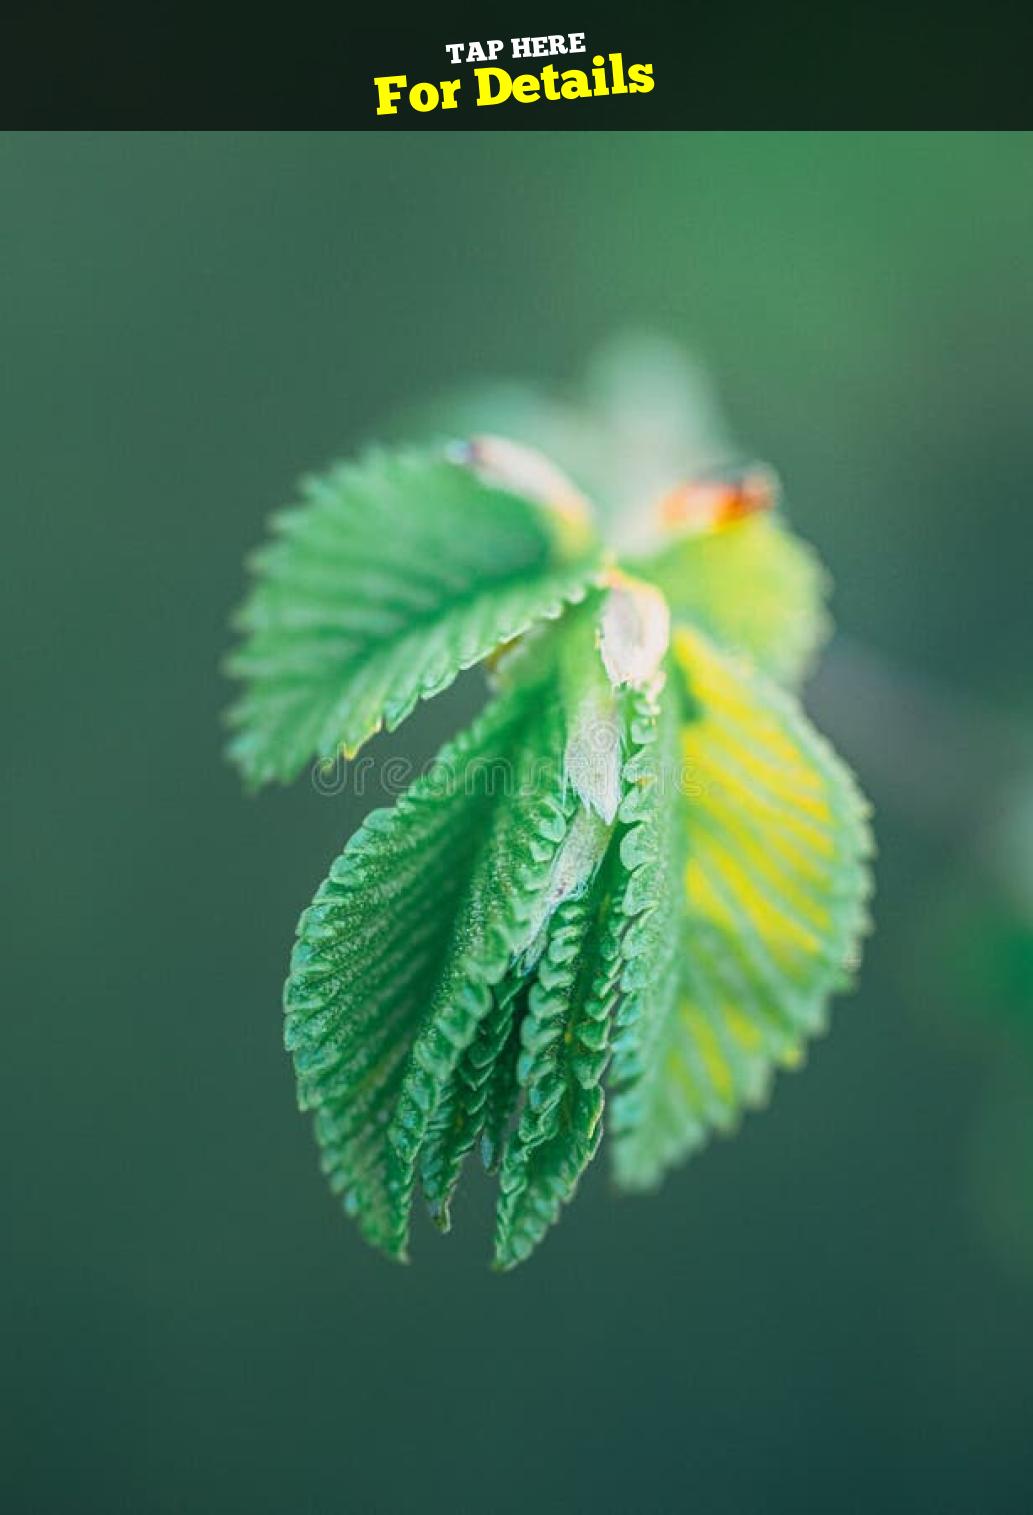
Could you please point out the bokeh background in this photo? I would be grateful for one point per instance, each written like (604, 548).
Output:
(834, 1311)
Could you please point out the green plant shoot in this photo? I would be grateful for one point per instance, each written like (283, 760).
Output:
(621, 898)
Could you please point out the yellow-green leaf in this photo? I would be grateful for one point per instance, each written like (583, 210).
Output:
(775, 882)
(752, 586)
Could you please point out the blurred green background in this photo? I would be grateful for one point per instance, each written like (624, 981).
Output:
(832, 1312)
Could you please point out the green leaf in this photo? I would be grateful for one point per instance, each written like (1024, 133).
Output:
(775, 881)
(392, 576)
(587, 966)
(416, 954)
(371, 947)
(753, 587)
(482, 1094)
(508, 897)
(564, 1052)
(653, 851)
(502, 1090)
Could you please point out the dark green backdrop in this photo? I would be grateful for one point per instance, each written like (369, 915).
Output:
(831, 1313)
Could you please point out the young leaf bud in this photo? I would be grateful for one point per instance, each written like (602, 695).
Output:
(636, 629)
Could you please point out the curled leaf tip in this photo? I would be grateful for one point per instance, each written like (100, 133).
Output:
(635, 630)
(712, 501)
